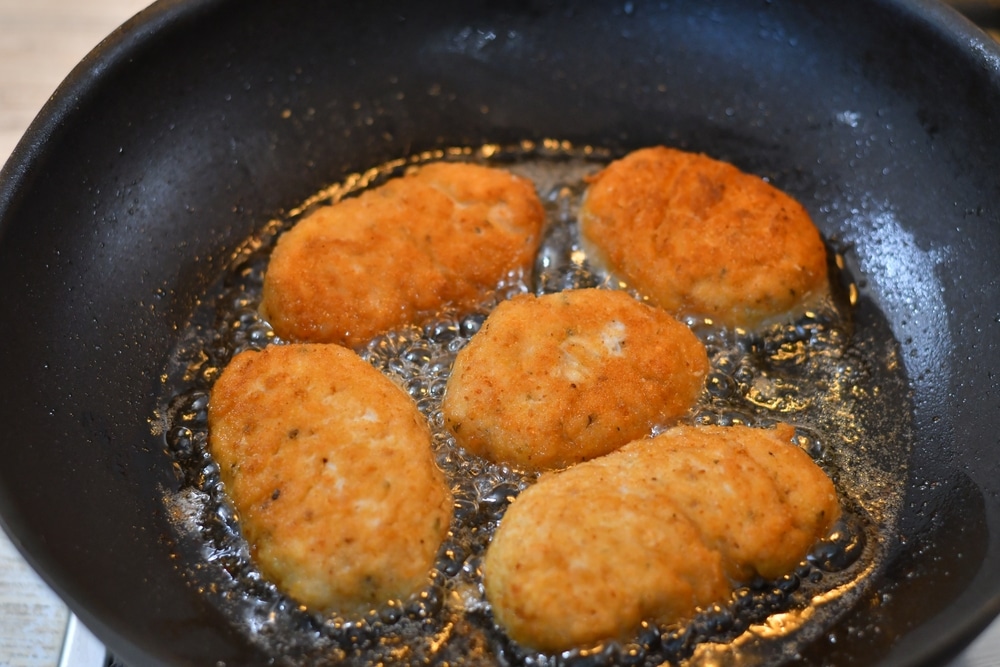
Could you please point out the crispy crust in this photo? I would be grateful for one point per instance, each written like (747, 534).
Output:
(445, 235)
(330, 468)
(653, 531)
(699, 237)
(562, 378)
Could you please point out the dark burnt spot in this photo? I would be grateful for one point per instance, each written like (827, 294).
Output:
(929, 122)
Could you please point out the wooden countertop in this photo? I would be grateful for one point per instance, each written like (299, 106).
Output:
(40, 42)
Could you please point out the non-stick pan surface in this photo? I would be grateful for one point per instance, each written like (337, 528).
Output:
(196, 123)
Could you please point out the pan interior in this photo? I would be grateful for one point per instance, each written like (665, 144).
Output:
(836, 375)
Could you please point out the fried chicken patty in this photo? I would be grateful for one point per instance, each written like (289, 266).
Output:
(329, 466)
(653, 531)
(554, 380)
(700, 237)
(443, 236)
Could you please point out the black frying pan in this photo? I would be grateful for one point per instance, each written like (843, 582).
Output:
(168, 147)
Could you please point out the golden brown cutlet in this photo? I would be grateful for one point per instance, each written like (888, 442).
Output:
(699, 237)
(443, 236)
(653, 531)
(554, 380)
(329, 466)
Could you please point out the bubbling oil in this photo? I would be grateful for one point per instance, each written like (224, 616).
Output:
(818, 373)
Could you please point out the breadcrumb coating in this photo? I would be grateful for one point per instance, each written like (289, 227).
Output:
(654, 531)
(699, 237)
(441, 237)
(329, 466)
(554, 380)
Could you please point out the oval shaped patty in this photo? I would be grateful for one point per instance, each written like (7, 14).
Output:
(554, 380)
(330, 467)
(443, 236)
(653, 531)
(700, 237)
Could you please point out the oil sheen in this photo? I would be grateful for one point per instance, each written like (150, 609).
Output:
(834, 375)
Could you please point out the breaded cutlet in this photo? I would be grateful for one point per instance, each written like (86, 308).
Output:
(653, 531)
(698, 237)
(330, 468)
(554, 380)
(443, 236)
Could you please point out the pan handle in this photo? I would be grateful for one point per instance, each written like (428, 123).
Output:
(80, 647)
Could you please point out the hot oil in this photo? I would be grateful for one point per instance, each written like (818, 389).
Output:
(838, 381)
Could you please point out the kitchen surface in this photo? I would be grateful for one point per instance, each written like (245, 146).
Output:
(40, 42)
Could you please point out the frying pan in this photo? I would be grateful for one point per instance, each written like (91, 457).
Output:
(199, 121)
